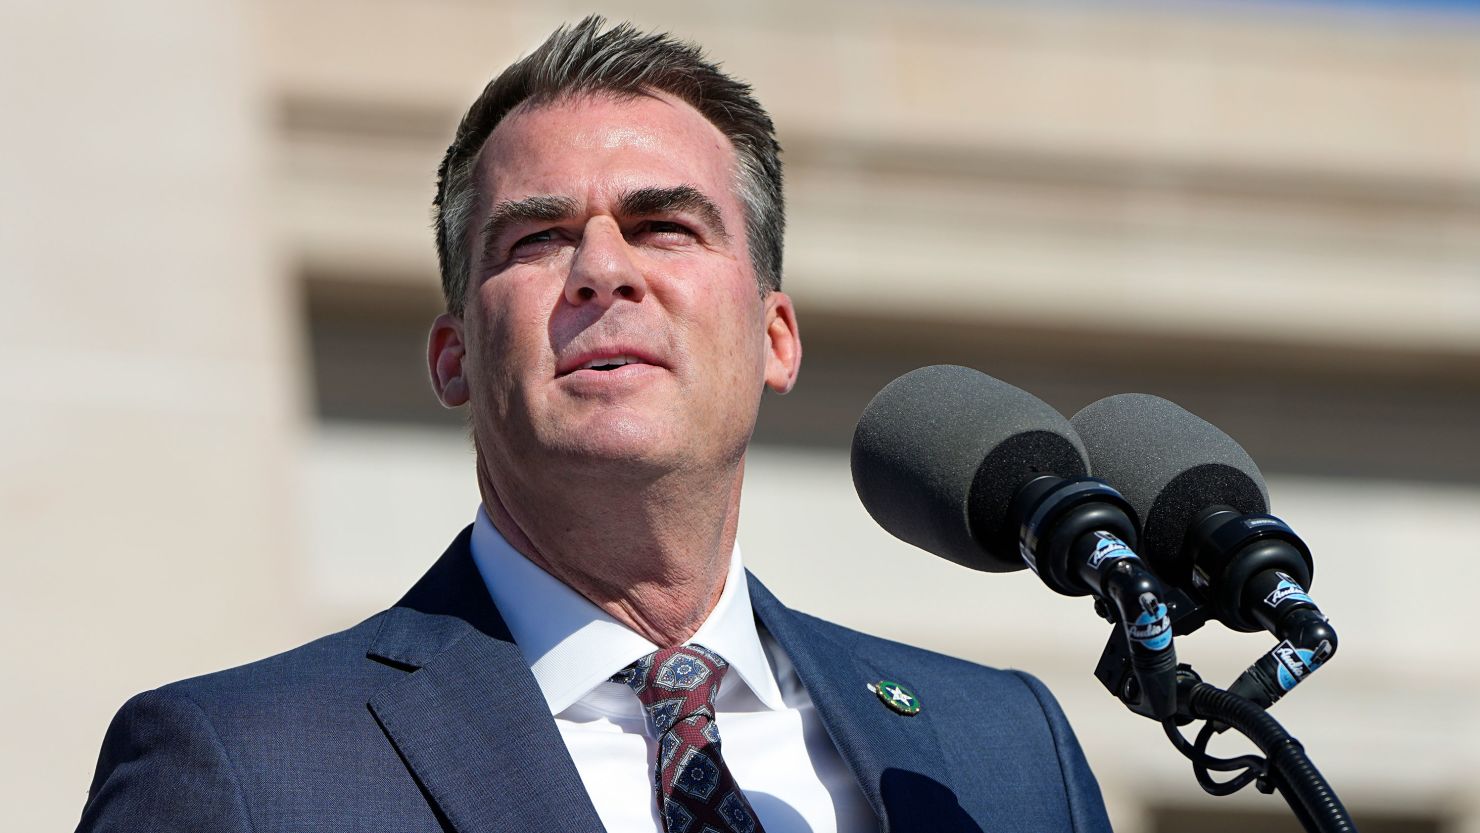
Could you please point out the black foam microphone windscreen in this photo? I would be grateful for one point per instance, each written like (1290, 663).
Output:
(939, 453)
(1171, 465)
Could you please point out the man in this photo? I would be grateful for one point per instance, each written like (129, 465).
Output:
(609, 228)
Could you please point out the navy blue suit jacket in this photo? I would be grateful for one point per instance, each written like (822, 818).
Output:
(426, 718)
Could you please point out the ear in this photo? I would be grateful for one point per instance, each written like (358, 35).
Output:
(445, 351)
(783, 343)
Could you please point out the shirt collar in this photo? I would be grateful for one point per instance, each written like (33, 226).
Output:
(572, 646)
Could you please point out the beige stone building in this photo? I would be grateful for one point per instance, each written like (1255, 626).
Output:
(216, 441)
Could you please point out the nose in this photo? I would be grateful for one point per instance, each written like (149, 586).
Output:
(603, 270)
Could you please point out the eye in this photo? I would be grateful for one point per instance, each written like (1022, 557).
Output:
(535, 239)
(537, 246)
(666, 230)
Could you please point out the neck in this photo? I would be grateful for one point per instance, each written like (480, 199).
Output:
(653, 555)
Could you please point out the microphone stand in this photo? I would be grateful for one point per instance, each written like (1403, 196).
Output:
(1284, 767)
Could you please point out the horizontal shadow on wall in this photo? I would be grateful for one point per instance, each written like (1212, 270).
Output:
(1323, 412)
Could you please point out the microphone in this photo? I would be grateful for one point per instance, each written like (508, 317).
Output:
(989, 476)
(1205, 529)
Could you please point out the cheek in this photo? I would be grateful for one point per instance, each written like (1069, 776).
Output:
(510, 342)
(735, 329)
(515, 310)
(748, 337)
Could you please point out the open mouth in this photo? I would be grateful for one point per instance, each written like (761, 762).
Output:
(610, 363)
(610, 359)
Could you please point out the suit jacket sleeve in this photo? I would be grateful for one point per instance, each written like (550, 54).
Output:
(1086, 807)
(163, 768)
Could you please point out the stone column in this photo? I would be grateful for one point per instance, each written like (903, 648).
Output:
(149, 404)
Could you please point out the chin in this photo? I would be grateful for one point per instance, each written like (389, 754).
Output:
(614, 446)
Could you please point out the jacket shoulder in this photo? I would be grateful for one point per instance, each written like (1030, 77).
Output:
(331, 665)
(188, 755)
(270, 745)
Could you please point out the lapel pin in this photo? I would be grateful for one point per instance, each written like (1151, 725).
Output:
(896, 697)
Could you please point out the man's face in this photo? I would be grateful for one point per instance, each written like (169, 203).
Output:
(613, 312)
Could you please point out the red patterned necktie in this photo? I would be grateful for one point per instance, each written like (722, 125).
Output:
(695, 791)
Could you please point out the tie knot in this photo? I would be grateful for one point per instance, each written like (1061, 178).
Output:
(686, 674)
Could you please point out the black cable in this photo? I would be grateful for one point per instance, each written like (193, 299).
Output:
(1297, 779)
(1254, 766)
(1198, 754)
(1229, 787)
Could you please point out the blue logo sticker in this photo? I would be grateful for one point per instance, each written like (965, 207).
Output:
(1288, 589)
(1152, 628)
(1295, 664)
(1106, 548)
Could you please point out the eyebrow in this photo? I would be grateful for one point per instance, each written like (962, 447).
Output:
(510, 213)
(642, 202)
(646, 202)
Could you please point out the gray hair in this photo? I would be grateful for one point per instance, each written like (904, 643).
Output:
(621, 61)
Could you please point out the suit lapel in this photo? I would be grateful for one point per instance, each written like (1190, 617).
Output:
(469, 720)
(896, 759)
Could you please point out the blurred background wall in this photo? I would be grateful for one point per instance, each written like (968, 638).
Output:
(216, 440)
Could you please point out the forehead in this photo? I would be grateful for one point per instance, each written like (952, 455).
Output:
(592, 146)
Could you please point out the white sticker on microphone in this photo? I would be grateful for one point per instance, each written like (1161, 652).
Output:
(1106, 548)
(1288, 589)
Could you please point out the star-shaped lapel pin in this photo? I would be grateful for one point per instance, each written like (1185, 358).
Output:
(896, 697)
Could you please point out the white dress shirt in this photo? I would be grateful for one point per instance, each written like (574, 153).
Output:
(774, 743)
